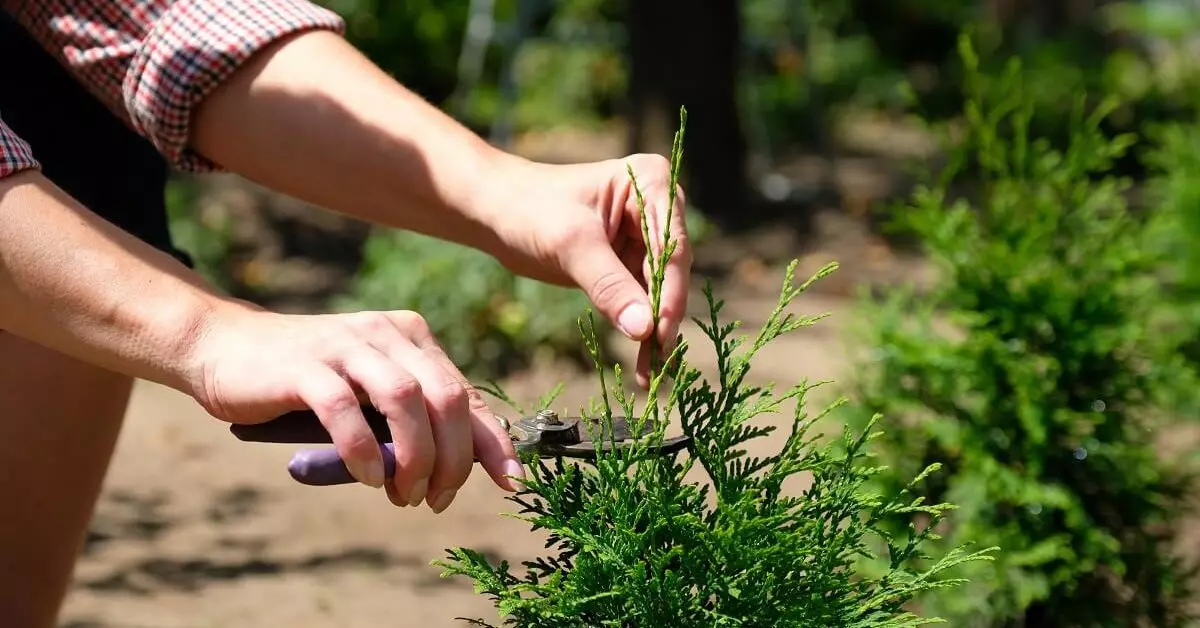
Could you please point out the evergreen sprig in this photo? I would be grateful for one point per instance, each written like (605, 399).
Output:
(634, 541)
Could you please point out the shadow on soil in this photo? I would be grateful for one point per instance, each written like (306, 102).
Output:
(126, 518)
(151, 575)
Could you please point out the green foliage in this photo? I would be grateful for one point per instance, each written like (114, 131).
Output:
(571, 71)
(1033, 370)
(568, 70)
(1174, 191)
(1162, 73)
(636, 542)
(204, 234)
(489, 320)
(418, 41)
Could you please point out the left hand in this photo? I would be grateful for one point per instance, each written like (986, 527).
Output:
(579, 225)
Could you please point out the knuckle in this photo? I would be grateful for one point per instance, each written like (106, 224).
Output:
(358, 440)
(403, 388)
(409, 320)
(607, 288)
(652, 162)
(370, 323)
(455, 391)
(475, 400)
(451, 398)
(335, 402)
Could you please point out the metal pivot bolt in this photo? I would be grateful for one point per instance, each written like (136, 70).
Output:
(548, 417)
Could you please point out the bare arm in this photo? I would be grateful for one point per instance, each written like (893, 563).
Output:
(310, 116)
(67, 278)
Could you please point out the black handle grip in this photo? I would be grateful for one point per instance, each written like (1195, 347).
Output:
(303, 426)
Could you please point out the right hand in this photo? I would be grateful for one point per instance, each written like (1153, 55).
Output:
(251, 366)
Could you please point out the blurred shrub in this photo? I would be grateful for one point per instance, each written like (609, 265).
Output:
(1173, 190)
(204, 234)
(1157, 66)
(417, 41)
(1032, 370)
(568, 69)
(489, 320)
(900, 56)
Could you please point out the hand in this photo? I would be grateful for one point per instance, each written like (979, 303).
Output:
(580, 225)
(251, 366)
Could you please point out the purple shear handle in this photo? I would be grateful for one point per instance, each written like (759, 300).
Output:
(317, 467)
(323, 467)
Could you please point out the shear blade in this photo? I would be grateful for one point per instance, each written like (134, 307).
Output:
(577, 438)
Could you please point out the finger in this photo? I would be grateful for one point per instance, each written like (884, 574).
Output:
(394, 495)
(610, 286)
(677, 275)
(641, 265)
(643, 366)
(334, 403)
(449, 419)
(678, 278)
(493, 446)
(399, 395)
(633, 256)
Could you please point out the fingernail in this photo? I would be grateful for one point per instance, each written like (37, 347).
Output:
(635, 321)
(368, 472)
(418, 492)
(394, 496)
(442, 502)
(516, 473)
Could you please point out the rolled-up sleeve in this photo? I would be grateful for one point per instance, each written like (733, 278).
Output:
(154, 61)
(15, 154)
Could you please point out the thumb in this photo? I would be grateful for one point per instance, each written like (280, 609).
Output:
(612, 289)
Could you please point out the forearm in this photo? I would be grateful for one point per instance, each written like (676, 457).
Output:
(75, 283)
(313, 118)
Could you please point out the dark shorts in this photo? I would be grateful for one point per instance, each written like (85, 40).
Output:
(82, 146)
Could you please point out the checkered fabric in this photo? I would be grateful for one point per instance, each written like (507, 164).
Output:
(152, 61)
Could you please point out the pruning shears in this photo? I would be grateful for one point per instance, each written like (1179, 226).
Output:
(544, 434)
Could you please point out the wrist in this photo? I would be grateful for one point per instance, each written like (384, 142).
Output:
(495, 197)
(195, 328)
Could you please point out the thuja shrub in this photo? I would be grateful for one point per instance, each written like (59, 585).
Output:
(1030, 369)
(636, 541)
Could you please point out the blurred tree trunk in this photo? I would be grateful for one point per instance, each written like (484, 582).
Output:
(687, 53)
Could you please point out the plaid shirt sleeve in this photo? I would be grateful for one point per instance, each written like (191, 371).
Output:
(153, 61)
(15, 154)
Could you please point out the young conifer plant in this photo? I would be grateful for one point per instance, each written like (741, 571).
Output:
(1033, 370)
(634, 542)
